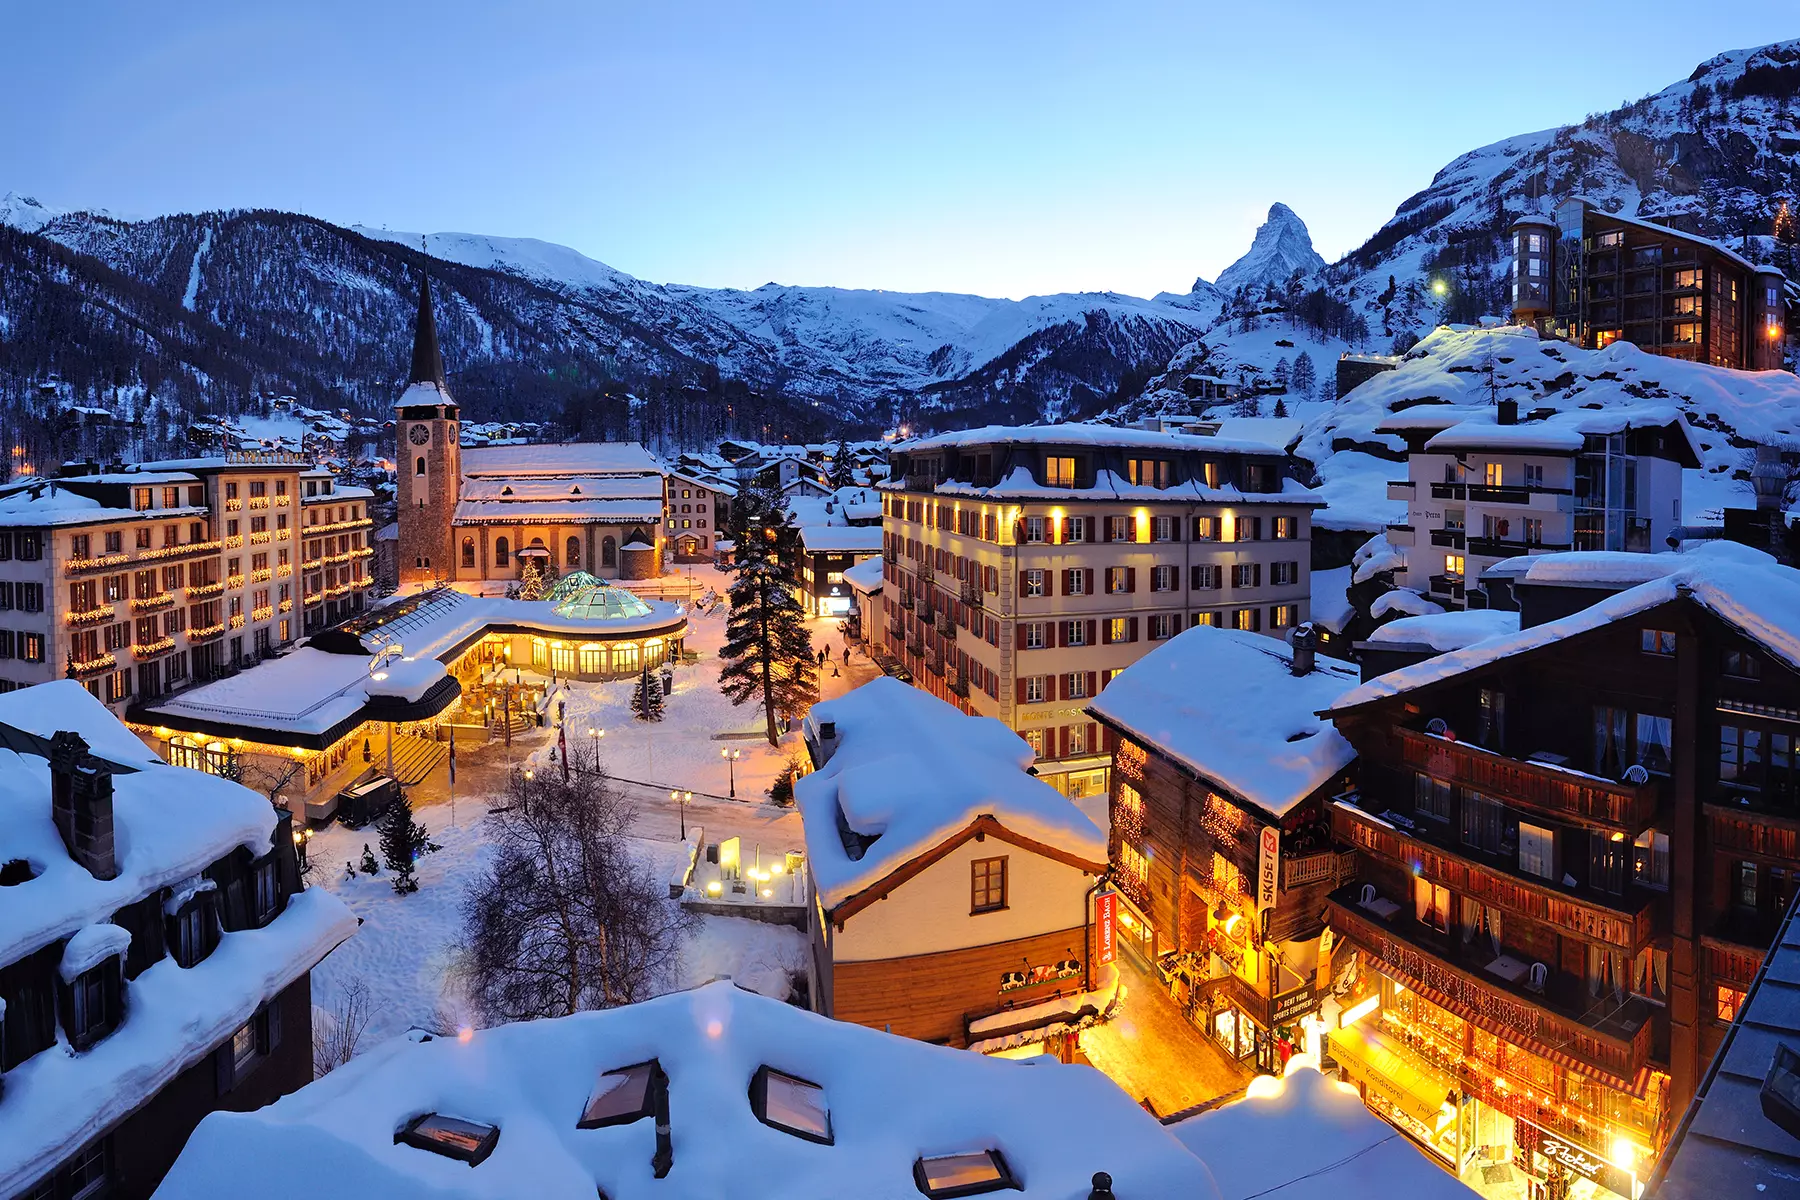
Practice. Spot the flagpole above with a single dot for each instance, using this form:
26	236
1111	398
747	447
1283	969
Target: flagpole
453	775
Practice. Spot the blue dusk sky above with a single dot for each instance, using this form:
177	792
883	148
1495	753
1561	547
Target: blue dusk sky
1005	149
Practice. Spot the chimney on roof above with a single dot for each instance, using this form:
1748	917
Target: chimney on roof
81	804
427	363
1305	645
1509	412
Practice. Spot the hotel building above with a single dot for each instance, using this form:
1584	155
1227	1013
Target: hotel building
1026	566
1575	843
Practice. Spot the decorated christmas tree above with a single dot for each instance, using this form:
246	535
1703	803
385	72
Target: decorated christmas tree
647	697
402	841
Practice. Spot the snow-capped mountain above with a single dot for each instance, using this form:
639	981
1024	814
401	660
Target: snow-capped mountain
1282	246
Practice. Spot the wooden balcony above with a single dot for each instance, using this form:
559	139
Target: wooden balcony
1326	866
1537	787
1597	1033
1748	831
1627	927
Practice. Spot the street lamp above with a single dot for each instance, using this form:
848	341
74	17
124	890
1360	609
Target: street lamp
681	800
596	734
731	757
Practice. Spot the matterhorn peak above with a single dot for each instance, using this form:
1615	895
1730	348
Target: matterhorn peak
1282	246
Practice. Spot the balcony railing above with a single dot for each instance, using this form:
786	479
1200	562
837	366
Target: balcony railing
945	626
1628	926
161	645
1401	535
152	603
1488	493
1605	1033
1449	491
1447	537
1326	866
1401	489
78	566
1541	787
1489	547
1447	585
91	616
93	666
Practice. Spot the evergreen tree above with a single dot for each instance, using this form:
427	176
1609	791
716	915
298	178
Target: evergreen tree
1303	377
536	578
369	865
841	476
768	654
402	841
1281	371
647	697
1281	408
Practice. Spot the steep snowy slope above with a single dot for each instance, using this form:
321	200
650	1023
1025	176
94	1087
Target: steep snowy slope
1729	410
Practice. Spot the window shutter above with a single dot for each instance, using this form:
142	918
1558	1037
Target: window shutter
1066	579
1019	636
1131	629
1091	640
1093	677
1059	634
1131	579
1087	581
1093	736
1019	690
1062	741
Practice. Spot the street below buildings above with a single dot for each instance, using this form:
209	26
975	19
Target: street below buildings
1152	1051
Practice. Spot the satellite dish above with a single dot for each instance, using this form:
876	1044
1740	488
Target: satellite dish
1438	726
1637	775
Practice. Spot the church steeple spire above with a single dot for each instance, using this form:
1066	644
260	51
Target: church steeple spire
427	363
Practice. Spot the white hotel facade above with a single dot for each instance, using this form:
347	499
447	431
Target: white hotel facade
1024	567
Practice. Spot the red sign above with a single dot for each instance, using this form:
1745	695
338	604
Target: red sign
1106	925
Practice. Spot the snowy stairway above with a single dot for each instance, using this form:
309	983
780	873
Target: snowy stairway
415	758
520	723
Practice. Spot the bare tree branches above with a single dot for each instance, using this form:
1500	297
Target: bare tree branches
338	1029
565	918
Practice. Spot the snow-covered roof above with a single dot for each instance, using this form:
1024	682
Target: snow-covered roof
866	575
1331	608
890	1100
1080	434
1448	630
45	505
841	539
1760	601
573	511
1599	210
1226	704
308	693
1313	1138
704	479
1562	433
562	458
1404	600
911	772
55	1100
424	392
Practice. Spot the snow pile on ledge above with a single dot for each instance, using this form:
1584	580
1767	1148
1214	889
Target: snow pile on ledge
1225	704
865	576
1449	630
1760	601
890	1100
406	678
911	772
1313	1139
91	946
1404	600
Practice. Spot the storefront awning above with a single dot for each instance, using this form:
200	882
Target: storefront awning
1402	1079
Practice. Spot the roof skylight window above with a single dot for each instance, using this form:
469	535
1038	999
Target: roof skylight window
452	1137
622	1096
792	1105
972	1173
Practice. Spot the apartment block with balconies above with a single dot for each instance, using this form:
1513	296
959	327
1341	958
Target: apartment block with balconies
1574	844
1592	277
336	551
1484	485
1025	567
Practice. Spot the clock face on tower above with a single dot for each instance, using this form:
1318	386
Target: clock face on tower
418	435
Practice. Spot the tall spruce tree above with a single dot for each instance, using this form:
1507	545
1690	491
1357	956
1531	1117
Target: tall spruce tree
841	471
402	841
768	653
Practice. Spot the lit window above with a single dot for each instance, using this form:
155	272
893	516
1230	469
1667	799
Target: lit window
623	1096
970	1174
791	1105
1729	1001
465	1141
1059	472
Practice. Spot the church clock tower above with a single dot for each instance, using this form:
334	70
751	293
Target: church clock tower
427	460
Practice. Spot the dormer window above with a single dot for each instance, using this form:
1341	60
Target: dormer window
452	1137
623	1096
576	491
265	892
790	1104
1059	472
946	1175
193	921
506	491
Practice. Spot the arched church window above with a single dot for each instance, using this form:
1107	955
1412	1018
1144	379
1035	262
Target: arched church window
468	552
609	552
573	557
419	465
501	550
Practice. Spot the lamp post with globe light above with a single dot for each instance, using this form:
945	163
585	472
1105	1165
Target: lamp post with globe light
731	757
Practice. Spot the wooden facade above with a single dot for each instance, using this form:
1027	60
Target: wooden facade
933	997
1583	849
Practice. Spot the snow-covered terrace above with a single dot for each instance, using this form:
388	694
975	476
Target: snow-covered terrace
1226	705
170	823
311	697
910	772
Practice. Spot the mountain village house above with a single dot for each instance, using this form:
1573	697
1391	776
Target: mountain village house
1483	486
1221	836
152	970
1028	566
1574	843
955	891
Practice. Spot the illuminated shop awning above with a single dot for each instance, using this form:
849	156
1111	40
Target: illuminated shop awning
1401	1079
